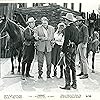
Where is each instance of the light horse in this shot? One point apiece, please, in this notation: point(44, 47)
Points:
point(92, 44)
point(16, 43)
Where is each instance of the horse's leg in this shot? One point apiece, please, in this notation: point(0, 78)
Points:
point(15, 62)
point(19, 59)
point(87, 56)
point(93, 56)
point(87, 53)
point(12, 71)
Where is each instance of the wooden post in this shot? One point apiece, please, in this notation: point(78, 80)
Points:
point(25, 5)
point(41, 4)
point(65, 5)
point(97, 20)
point(33, 5)
point(72, 6)
point(80, 7)
point(36, 4)
point(87, 15)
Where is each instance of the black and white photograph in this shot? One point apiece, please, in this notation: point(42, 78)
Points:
point(49, 50)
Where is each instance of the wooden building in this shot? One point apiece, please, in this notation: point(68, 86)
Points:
point(52, 12)
point(8, 10)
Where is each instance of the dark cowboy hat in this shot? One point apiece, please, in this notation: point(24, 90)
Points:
point(79, 18)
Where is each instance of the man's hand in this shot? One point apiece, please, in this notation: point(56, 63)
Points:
point(84, 45)
point(62, 54)
point(43, 38)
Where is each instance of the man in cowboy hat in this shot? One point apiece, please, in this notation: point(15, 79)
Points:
point(68, 50)
point(82, 47)
point(44, 35)
point(28, 50)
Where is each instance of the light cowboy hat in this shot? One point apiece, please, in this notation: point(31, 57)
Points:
point(44, 19)
point(70, 17)
point(31, 19)
point(61, 24)
point(79, 18)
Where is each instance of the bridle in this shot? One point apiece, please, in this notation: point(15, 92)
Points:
point(3, 30)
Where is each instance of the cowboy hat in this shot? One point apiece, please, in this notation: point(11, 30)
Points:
point(70, 17)
point(31, 19)
point(79, 18)
point(44, 19)
point(61, 24)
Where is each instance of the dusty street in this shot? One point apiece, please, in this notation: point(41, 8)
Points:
point(34, 87)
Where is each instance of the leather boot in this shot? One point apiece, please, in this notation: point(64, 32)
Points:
point(80, 74)
point(61, 71)
point(23, 77)
point(67, 79)
point(55, 71)
point(40, 74)
point(74, 85)
point(84, 76)
point(67, 86)
point(23, 68)
point(40, 77)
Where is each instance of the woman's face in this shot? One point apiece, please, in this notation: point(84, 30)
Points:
point(67, 21)
point(61, 27)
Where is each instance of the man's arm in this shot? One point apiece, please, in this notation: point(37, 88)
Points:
point(66, 39)
point(86, 34)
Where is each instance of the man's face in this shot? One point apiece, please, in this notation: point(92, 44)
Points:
point(32, 24)
point(45, 23)
point(78, 23)
point(67, 21)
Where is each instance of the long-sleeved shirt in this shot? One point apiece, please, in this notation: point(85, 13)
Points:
point(59, 38)
point(83, 33)
point(70, 35)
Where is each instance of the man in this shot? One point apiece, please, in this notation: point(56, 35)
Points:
point(44, 35)
point(68, 50)
point(82, 47)
point(28, 50)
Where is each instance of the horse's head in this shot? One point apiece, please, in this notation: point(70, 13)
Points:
point(2, 23)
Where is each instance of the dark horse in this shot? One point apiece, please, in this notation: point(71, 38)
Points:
point(16, 43)
point(93, 43)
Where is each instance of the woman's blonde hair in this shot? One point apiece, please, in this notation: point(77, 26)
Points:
point(61, 24)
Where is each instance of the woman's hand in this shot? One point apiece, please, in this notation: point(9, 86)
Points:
point(84, 45)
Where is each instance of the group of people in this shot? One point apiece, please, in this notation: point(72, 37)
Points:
point(58, 46)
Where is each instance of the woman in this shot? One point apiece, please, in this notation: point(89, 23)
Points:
point(59, 39)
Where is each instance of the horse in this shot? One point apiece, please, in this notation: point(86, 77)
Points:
point(16, 43)
point(19, 19)
point(92, 45)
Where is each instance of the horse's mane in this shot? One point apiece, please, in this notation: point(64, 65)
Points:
point(14, 30)
point(14, 25)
